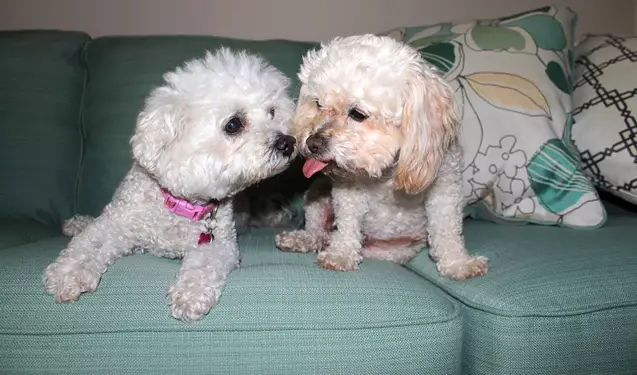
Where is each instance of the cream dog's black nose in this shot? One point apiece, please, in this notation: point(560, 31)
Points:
point(285, 144)
point(316, 143)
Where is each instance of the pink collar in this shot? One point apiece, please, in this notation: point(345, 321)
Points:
point(184, 208)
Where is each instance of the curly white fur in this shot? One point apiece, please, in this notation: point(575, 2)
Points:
point(381, 124)
point(182, 143)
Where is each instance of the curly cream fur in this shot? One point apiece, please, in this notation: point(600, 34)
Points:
point(393, 183)
point(180, 144)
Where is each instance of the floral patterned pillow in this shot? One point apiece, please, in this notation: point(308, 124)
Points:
point(513, 81)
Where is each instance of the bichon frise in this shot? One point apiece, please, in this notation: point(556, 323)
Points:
point(218, 125)
point(381, 124)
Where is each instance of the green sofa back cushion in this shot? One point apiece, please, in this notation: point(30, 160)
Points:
point(41, 81)
point(121, 73)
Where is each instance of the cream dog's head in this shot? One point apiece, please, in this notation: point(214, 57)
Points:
point(370, 105)
point(217, 125)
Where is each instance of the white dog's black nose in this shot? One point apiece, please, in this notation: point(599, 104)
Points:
point(285, 144)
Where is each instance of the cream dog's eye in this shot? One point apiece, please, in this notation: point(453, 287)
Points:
point(318, 105)
point(357, 115)
point(233, 126)
point(271, 112)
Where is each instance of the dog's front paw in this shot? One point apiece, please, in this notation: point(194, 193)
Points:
point(189, 302)
point(300, 241)
point(463, 268)
point(67, 280)
point(338, 260)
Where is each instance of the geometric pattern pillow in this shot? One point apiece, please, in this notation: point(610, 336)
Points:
point(605, 113)
point(513, 79)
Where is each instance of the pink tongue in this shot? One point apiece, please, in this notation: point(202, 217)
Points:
point(312, 166)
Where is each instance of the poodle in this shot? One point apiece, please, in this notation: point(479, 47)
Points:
point(217, 125)
point(381, 126)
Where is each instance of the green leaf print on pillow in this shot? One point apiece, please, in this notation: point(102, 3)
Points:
point(426, 41)
point(420, 37)
point(567, 135)
point(558, 77)
point(545, 30)
point(497, 38)
point(510, 92)
point(555, 177)
point(441, 55)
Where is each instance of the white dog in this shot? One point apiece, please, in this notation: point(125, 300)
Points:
point(382, 125)
point(218, 125)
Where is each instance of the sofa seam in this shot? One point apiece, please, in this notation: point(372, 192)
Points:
point(81, 129)
point(457, 317)
point(498, 312)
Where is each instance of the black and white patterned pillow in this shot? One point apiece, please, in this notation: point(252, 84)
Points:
point(605, 113)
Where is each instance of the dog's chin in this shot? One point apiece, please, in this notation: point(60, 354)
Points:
point(335, 170)
point(350, 173)
point(270, 171)
point(281, 166)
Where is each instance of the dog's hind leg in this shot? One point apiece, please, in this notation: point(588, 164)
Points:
point(79, 267)
point(319, 222)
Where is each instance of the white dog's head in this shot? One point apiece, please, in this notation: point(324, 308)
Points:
point(218, 125)
point(370, 105)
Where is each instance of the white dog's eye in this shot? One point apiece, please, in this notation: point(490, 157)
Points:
point(271, 112)
point(233, 126)
point(357, 115)
point(318, 105)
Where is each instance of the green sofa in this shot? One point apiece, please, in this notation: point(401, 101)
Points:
point(555, 300)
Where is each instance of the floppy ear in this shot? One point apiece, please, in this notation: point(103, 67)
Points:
point(158, 125)
point(430, 126)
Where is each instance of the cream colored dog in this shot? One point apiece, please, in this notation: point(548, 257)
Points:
point(381, 124)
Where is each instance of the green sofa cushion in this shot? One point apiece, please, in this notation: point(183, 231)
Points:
point(280, 313)
point(17, 232)
point(41, 82)
point(122, 72)
point(554, 300)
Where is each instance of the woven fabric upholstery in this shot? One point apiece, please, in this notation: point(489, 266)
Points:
point(554, 301)
point(41, 82)
point(280, 313)
point(19, 232)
